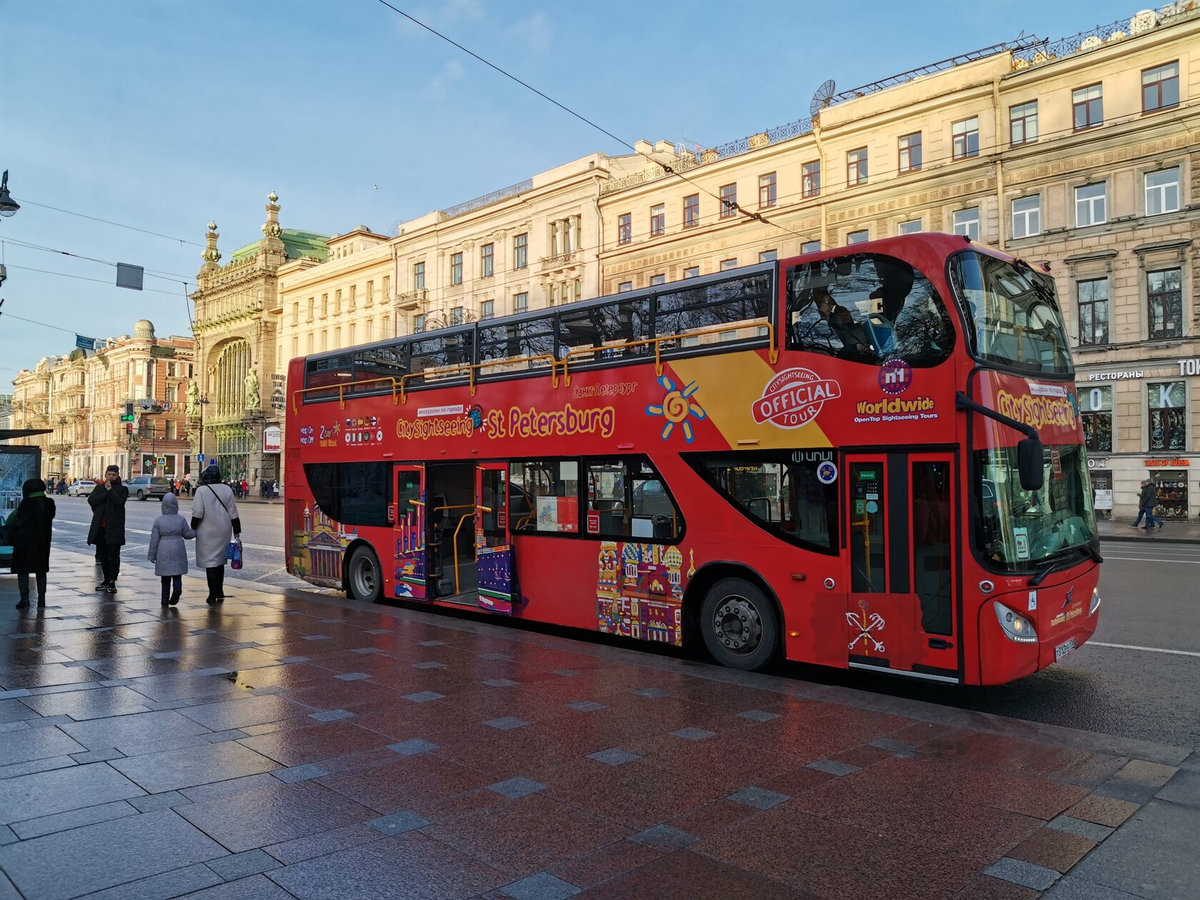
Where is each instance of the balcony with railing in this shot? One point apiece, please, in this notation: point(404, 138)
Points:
point(561, 261)
point(412, 299)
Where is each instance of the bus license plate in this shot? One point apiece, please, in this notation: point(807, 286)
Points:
point(1063, 649)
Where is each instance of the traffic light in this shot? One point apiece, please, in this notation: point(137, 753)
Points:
point(128, 416)
point(129, 428)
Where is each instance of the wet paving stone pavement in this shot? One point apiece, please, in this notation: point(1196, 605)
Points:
point(297, 745)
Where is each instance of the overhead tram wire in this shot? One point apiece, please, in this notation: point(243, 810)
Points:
point(70, 212)
point(756, 216)
point(85, 278)
point(165, 276)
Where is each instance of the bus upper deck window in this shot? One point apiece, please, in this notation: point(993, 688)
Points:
point(867, 308)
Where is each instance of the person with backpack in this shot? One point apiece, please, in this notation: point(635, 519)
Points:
point(30, 529)
point(107, 531)
point(167, 550)
point(215, 521)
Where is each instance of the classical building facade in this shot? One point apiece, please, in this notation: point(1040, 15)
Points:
point(1081, 153)
point(235, 402)
point(81, 397)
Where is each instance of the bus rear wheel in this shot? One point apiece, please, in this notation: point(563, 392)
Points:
point(363, 576)
point(739, 625)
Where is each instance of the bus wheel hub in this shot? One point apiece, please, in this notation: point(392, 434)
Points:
point(738, 625)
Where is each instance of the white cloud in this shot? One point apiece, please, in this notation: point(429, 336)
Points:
point(441, 83)
point(533, 31)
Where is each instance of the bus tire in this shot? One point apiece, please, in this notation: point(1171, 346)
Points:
point(364, 577)
point(739, 625)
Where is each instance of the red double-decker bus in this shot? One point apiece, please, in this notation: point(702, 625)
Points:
point(868, 457)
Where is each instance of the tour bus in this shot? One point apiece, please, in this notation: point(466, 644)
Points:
point(868, 457)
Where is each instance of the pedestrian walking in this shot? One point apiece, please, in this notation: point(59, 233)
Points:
point(107, 530)
point(215, 520)
point(1147, 500)
point(245, 489)
point(168, 551)
point(30, 531)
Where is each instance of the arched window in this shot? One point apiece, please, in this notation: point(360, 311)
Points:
point(233, 362)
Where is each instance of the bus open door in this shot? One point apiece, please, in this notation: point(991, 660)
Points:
point(495, 566)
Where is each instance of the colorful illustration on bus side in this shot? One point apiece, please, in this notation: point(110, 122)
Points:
point(794, 397)
point(639, 590)
point(676, 406)
point(866, 630)
point(409, 534)
point(318, 546)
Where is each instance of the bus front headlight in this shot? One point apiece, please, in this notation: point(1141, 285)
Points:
point(1016, 626)
point(1095, 604)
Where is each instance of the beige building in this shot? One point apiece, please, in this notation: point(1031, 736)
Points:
point(237, 400)
point(1081, 153)
point(82, 398)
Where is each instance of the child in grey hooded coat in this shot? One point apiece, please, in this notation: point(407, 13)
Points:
point(167, 550)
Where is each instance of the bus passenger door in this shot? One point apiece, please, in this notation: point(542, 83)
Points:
point(900, 612)
point(409, 523)
point(494, 563)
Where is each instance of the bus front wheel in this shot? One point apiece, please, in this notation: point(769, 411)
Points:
point(739, 624)
point(364, 577)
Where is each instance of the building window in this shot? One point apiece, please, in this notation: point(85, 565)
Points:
point(966, 222)
point(456, 268)
point(658, 279)
point(1090, 205)
point(1096, 410)
point(913, 226)
point(1168, 415)
point(728, 200)
point(810, 179)
point(1164, 294)
point(520, 302)
point(1162, 192)
point(625, 286)
point(521, 251)
point(577, 287)
point(691, 210)
point(324, 305)
point(552, 296)
point(487, 309)
point(910, 152)
point(370, 292)
point(387, 287)
point(768, 256)
point(690, 272)
point(324, 338)
point(337, 302)
point(810, 247)
point(658, 219)
point(418, 324)
point(337, 337)
point(966, 137)
point(1092, 297)
point(419, 276)
point(350, 333)
point(386, 326)
point(1160, 87)
point(487, 259)
point(295, 346)
point(766, 190)
point(456, 315)
point(1088, 106)
point(295, 313)
point(624, 228)
point(858, 237)
point(1026, 217)
point(353, 296)
point(856, 167)
point(1022, 123)
point(727, 264)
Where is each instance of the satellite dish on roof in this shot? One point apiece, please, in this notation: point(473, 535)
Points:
point(823, 98)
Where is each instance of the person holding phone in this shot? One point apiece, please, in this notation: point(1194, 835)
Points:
point(107, 531)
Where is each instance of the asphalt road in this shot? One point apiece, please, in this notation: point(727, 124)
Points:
point(1138, 678)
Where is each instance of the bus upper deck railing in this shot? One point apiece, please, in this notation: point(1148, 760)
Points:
point(558, 369)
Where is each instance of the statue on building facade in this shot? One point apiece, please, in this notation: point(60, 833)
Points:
point(253, 400)
point(193, 400)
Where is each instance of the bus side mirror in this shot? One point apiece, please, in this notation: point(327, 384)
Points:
point(1030, 464)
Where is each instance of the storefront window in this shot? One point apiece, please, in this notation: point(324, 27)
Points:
point(1171, 491)
point(1166, 404)
point(1096, 406)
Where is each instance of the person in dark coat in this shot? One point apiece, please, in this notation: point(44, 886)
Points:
point(107, 532)
point(30, 527)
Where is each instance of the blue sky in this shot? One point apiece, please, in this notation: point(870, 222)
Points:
point(165, 114)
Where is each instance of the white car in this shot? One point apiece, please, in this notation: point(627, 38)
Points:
point(81, 487)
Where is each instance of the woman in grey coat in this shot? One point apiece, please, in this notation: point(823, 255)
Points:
point(167, 550)
point(215, 518)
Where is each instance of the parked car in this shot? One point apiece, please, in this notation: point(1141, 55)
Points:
point(148, 486)
point(81, 487)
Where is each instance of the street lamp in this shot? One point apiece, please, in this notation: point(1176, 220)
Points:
point(8, 205)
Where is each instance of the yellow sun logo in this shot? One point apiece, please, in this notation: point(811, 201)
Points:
point(677, 405)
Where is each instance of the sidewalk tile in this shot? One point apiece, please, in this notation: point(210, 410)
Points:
point(242, 865)
point(152, 802)
point(1183, 788)
point(759, 798)
point(168, 885)
point(253, 887)
point(76, 818)
point(413, 747)
point(678, 874)
point(305, 772)
point(192, 766)
point(833, 767)
point(664, 837)
point(517, 787)
point(332, 715)
point(1152, 855)
point(1102, 810)
point(1023, 873)
point(758, 715)
point(1073, 887)
point(1088, 830)
point(397, 823)
point(614, 756)
point(47, 793)
point(1053, 849)
point(540, 886)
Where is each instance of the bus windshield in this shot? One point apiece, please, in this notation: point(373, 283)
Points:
point(1018, 529)
point(1012, 312)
